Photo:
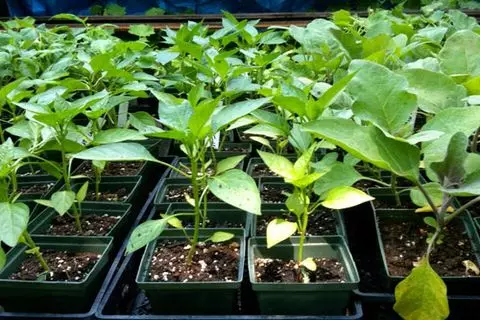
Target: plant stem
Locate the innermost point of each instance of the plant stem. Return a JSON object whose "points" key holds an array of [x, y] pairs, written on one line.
{"points": [[462, 209], [433, 241], [98, 178], [196, 230], [31, 244], [393, 184], [384, 184], [303, 226], [473, 146], [427, 196]]}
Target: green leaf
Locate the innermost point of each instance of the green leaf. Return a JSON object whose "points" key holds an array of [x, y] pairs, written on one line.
{"points": [[381, 96], [173, 221], [220, 236], [293, 104], [113, 9], [155, 12], [422, 295], [46, 203], [473, 86], [302, 165], [435, 91], [433, 189], [13, 221], [228, 163], [279, 230], [450, 170], [431, 222], [165, 56], [238, 189], [345, 197], [145, 233], [237, 110], [306, 180], [278, 164], [82, 192], [174, 113], [339, 175], [424, 136], [3, 257], [70, 17], [116, 135], [470, 187], [141, 30], [369, 144], [329, 96], [62, 201], [265, 129], [116, 152], [295, 203], [201, 116], [459, 54], [299, 139]]}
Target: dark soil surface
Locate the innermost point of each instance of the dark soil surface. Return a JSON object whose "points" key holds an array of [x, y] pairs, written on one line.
{"points": [[92, 225], [217, 224], [211, 262], [270, 194], [31, 173], [364, 184], [64, 266], [118, 195], [379, 203], [236, 149], [113, 169], [277, 270], [405, 243], [177, 194], [40, 188], [321, 223], [185, 167], [261, 170]]}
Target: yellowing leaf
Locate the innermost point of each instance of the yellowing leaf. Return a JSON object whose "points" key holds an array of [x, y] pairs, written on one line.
{"points": [[471, 267], [279, 230], [422, 295], [427, 208], [310, 264], [220, 236], [345, 197]]}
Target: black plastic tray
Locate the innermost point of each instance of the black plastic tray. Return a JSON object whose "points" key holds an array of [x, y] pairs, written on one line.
{"points": [[162, 173]]}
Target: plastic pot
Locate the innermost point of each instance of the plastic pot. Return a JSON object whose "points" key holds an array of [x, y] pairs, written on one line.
{"points": [[339, 226], [42, 222], [477, 222], [30, 181], [320, 298], [455, 284], [176, 151], [131, 184], [162, 204], [54, 296], [265, 182], [186, 162], [191, 297], [218, 216]]}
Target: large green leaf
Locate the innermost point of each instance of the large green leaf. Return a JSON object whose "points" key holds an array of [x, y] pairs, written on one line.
{"points": [[299, 139], [450, 170], [470, 187], [228, 163], [279, 230], [122, 151], [237, 110], [201, 116], [459, 55], [339, 175], [381, 96], [116, 135], [3, 257], [435, 91], [238, 189], [345, 197], [369, 144], [13, 221], [62, 201], [433, 189], [422, 295]]}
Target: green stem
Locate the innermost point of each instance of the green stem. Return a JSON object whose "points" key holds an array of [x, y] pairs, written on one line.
{"points": [[303, 226], [393, 184], [384, 184], [98, 178], [196, 230], [429, 199], [473, 146], [31, 244], [2, 137], [433, 241], [462, 209]]}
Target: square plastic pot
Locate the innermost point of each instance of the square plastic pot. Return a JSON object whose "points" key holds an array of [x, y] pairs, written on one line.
{"points": [[339, 227], [42, 222], [30, 181], [141, 171], [191, 297], [455, 284], [54, 296], [320, 298], [267, 182], [220, 216]]}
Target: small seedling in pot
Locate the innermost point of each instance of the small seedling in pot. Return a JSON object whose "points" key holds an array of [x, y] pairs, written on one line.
{"points": [[301, 202]]}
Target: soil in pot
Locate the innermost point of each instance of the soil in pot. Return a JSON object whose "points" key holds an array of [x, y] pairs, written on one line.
{"points": [[92, 225], [217, 224], [177, 194], [40, 188], [211, 262], [278, 270], [261, 169], [270, 194], [235, 149], [117, 195], [320, 223], [405, 243], [64, 266], [113, 169], [379, 203]]}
